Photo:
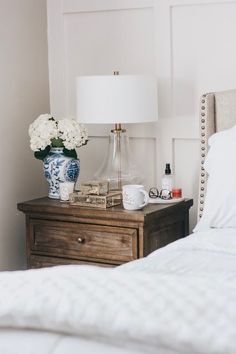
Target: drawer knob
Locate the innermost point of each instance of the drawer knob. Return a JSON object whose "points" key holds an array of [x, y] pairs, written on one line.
{"points": [[80, 240]]}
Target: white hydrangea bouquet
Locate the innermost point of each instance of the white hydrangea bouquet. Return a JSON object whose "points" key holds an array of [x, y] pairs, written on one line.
{"points": [[46, 132]]}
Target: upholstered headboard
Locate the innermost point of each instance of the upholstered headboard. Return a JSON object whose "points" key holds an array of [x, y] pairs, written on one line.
{"points": [[217, 112]]}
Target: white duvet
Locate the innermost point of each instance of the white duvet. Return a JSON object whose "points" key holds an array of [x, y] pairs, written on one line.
{"points": [[180, 299]]}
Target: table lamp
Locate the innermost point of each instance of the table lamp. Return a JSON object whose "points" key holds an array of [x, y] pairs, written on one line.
{"points": [[117, 99]]}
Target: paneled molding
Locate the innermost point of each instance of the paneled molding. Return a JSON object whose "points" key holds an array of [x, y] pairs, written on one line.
{"points": [[59, 12], [71, 6], [164, 47], [64, 17], [174, 128], [186, 159], [172, 3], [56, 58]]}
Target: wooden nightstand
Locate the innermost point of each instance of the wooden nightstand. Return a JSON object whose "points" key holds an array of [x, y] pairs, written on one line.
{"points": [[58, 233]]}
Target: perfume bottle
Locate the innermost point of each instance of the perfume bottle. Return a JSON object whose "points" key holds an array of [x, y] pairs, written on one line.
{"points": [[167, 181]]}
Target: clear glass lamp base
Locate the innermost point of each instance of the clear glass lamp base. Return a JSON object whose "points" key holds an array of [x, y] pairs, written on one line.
{"points": [[118, 168]]}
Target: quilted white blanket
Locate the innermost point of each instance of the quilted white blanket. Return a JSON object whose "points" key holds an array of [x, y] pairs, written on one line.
{"points": [[181, 298]]}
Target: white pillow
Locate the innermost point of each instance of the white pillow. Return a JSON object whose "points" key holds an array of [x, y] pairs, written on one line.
{"points": [[220, 201]]}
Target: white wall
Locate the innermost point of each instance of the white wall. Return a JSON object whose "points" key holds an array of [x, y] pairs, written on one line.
{"points": [[23, 96], [188, 44]]}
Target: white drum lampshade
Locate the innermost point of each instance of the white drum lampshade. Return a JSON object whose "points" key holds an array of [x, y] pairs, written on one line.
{"points": [[117, 99]]}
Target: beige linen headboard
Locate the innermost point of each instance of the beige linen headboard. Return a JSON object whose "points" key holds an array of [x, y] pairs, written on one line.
{"points": [[217, 112]]}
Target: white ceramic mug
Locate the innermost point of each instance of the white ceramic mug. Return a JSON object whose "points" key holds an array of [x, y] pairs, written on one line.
{"points": [[134, 196], [65, 189]]}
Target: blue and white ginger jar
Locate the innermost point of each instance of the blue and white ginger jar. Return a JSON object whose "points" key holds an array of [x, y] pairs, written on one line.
{"points": [[59, 168]]}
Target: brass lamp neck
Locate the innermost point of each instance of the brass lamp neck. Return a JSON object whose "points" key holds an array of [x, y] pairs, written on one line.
{"points": [[118, 128]]}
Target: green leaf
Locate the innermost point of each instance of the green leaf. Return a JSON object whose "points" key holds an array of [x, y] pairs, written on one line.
{"points": [[41, 154], [57, 142], [70, 153]]}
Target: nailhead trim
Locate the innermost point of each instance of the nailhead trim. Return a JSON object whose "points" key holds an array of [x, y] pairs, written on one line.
{"points": [[203, 149]]}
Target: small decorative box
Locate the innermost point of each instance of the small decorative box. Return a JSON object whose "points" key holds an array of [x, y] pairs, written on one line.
{"points": [[96, 201], [95, 187]]}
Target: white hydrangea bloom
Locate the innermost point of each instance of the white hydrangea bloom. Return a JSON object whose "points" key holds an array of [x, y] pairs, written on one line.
{"points": [[72, 133], [41, 131], [44, 129]]}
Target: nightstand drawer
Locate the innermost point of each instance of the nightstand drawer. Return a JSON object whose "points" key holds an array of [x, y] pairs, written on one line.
{"points": [[78, 241], [42, 261]]}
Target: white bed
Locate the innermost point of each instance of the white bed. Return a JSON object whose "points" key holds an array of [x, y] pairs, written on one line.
{"points": [[27, 341], [180, 299], [177, 300]]}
